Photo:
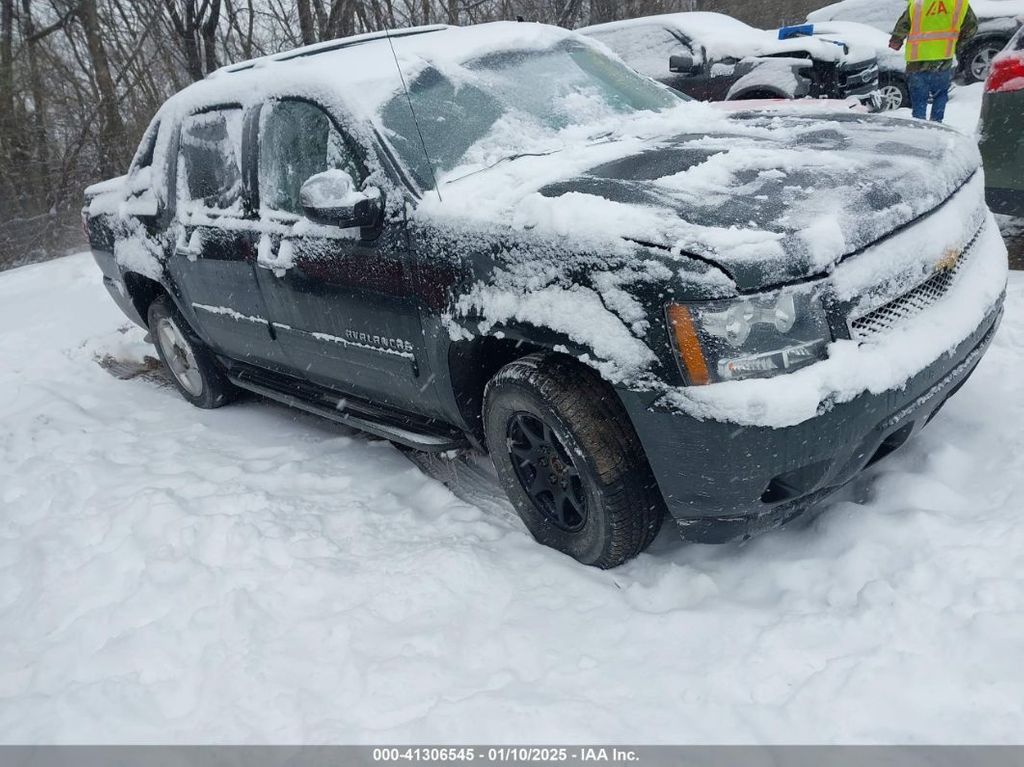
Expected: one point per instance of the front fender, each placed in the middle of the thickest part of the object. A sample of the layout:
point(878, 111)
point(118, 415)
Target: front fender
point(771, 79)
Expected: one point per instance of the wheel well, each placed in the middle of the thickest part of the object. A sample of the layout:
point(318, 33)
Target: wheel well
point(472, 364)
point(993, 39)
point(143, 291)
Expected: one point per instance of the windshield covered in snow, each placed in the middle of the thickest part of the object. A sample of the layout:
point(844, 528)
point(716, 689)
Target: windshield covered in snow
point(511, 103)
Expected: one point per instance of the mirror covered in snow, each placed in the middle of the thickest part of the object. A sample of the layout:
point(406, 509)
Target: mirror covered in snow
point(331, 198)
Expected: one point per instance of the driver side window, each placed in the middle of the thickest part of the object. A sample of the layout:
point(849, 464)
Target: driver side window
point(644, 48)
point(297, 141)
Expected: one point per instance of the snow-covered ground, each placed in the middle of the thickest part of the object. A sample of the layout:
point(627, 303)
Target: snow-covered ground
point(963, 108)
point(255, 575)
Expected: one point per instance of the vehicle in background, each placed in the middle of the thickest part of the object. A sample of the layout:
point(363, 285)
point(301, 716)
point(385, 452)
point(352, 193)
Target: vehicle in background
point(713, 57)
point(892, 66)
point(998, 21)
point(1002, 130)
point(638, 305)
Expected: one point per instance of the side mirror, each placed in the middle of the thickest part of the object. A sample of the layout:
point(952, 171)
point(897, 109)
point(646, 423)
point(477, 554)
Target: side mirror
point(331, 198)
point(683, 64)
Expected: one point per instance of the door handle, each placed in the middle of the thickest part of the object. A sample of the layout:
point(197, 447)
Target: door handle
point(279, 262)
point(190, 248)
point(265, 257)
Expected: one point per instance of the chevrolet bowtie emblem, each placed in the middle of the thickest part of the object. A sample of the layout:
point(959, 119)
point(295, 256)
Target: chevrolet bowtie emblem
point(949, 260)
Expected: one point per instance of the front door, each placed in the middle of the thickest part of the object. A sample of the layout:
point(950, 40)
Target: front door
point(714, 78)
point(214, 260)
point(340, 299)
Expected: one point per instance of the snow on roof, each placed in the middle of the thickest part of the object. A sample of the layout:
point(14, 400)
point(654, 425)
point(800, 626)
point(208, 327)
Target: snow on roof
point(327, 46)
point(699, 22)
point(723, 36)
point(883, 14)
point(359, 72)
point(858, 35)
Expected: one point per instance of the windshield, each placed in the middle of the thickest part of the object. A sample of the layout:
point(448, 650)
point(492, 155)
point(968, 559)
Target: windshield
point(508, 104)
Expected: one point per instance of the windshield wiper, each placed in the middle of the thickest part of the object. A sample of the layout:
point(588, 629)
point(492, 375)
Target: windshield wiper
point(598, 138)
point(510, 158)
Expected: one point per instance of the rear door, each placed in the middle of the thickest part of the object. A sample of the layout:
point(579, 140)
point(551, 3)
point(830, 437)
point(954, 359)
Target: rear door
point(340, 299)
point(216, 236)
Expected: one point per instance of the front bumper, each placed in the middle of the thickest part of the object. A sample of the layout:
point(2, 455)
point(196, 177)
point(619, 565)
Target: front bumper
point(722, 481)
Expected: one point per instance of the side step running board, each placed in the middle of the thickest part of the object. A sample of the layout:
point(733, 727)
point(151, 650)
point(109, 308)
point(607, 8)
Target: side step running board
point(433, 441)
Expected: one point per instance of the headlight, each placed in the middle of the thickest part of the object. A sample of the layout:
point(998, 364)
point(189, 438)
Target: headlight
point(750, 337)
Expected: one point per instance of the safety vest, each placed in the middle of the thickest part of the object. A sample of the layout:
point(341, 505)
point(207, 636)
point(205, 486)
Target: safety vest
point(934, 29)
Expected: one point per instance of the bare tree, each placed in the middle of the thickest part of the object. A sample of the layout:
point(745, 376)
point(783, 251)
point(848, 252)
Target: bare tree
point(112, 136)
point(305, 11)
point(195, 26)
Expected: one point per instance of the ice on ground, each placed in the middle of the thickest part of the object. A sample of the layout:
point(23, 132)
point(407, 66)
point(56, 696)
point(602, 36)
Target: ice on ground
point(255, 575)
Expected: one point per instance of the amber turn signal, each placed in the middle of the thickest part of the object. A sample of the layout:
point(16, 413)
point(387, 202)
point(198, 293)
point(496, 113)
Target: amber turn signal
point(688, 344)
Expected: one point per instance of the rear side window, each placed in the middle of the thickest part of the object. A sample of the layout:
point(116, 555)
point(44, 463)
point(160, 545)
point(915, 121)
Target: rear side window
point(645, 49)
point(140, 176)
point(298, 140)
point(209, 164)
point(147, 148)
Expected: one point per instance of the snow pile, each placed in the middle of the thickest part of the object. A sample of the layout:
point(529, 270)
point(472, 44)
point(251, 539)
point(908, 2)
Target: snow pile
point(777, 74)
point(252, 575)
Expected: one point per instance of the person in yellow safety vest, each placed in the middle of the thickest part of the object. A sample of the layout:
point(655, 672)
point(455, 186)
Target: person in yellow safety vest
point(933, 31)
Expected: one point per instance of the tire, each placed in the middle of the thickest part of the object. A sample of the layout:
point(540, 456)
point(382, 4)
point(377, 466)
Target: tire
point(191, 364)
point(547, 416)
point(977, 60)
point(894, 94)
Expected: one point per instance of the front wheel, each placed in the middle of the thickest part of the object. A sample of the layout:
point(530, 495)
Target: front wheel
point(893, 94)
point(193, 368)
point(978, 60)
point(570, 462)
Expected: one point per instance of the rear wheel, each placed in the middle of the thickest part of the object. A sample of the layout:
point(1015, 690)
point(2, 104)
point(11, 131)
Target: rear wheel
point(570, 461)
point(192, 365)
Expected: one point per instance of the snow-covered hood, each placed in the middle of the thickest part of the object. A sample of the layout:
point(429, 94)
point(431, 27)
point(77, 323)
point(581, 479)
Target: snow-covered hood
point(769, 198)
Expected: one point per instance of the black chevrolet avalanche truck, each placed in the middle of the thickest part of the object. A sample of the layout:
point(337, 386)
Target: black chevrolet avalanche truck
point(499, 238)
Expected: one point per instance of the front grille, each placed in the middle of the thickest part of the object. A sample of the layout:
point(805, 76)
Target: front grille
point(853, 78)
point(913, 302)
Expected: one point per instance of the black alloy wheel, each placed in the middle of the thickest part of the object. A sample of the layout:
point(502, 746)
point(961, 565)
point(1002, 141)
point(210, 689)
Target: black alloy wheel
point(547, 472)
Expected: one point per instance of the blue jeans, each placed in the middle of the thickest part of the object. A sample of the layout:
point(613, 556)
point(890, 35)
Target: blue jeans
point(929, 85)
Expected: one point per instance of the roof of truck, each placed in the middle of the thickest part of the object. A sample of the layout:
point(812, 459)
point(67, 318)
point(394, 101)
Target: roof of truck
point(327, 46)
point(360, 72)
